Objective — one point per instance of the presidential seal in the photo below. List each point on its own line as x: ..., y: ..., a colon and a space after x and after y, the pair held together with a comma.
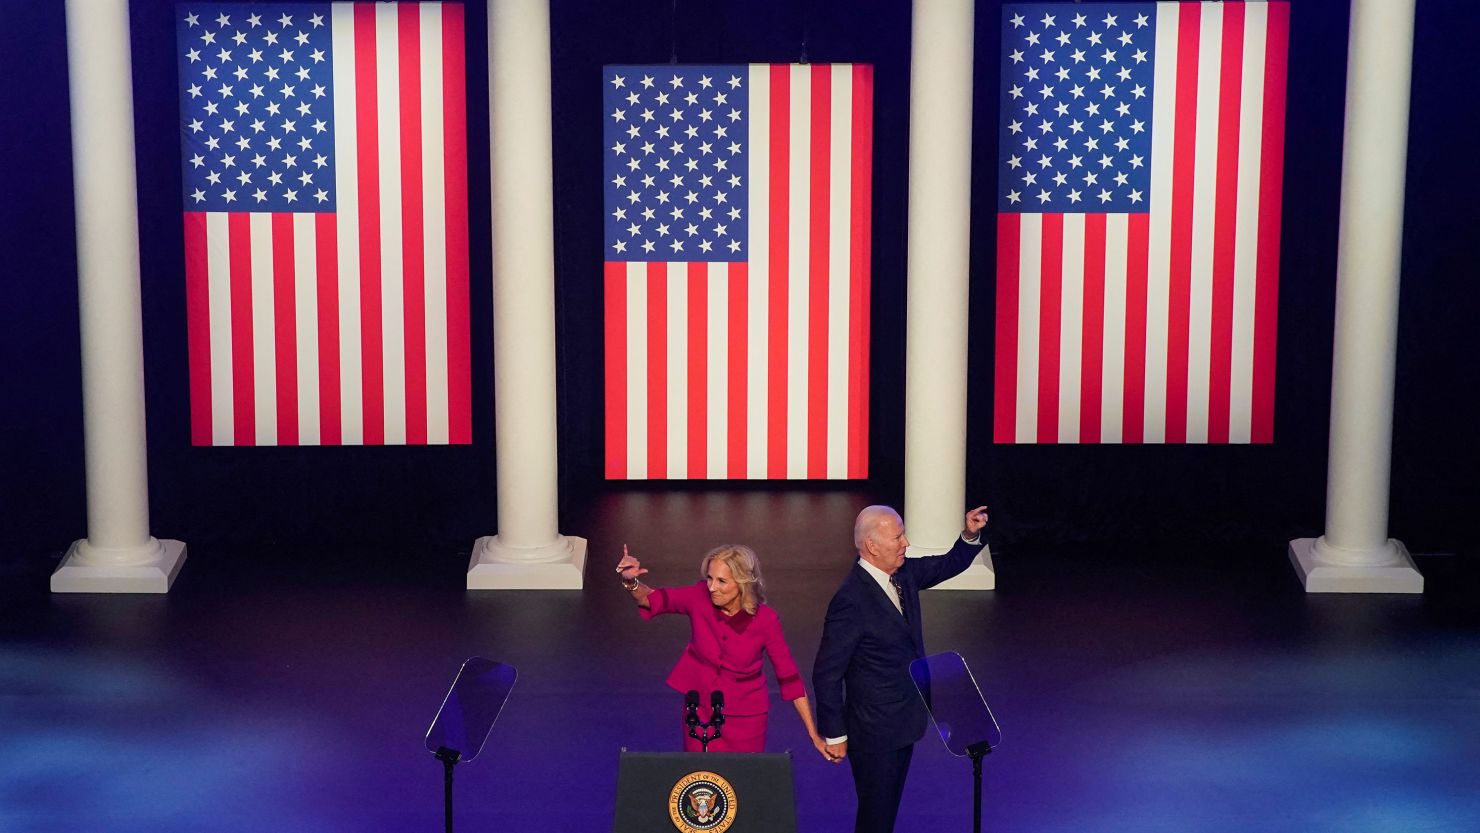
x: 702, y: 802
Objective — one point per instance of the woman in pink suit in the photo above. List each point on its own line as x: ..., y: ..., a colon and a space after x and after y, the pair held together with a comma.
x: 730, y: 628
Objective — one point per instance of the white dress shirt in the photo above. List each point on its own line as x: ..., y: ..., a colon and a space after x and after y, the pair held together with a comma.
x: 883, y: 579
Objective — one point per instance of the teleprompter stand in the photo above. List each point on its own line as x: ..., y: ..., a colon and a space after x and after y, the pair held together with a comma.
x: 467, y: 716
x: 962, y: 717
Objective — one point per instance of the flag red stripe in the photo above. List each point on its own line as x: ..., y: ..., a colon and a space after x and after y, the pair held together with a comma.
x: 698, y: 384
x: 1271, y: 169
x: 739, y: 319
x: 1004, y: 406
x: 860, y: 253
x: 1184, y: 145
x: 326, y: 234
x: 1225, y: 224
x: 780, y: 215
x: 1137, y: 257
x: 198, y: 330
x: 657, y: 377
x: 243, y: 389
x: 413, y: 243
x: 368, y: 179
x: 1091, y: 369
x: 616, y: 371
x: 817, y: 249
x: 285, y: 329
x: 1050, y: 327
x: 455, y: 183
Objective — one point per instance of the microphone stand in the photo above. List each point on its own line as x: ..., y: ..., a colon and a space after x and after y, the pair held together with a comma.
x: 716, y: 717
x: 716, y: 713
x: 691, y: 711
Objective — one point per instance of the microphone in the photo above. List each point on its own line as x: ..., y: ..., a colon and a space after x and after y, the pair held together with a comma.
x: 691, y: 706
x: 717, y: 707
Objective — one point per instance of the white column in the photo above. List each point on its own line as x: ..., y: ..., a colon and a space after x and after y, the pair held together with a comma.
x: 939, y: 270
x: 528, y: 552
x: 118, y: 555
x: 1355, y: 555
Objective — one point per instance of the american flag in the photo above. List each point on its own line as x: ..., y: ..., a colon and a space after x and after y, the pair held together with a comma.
x: 326, y: 238
x: 737, y: 204
x: 1139, y: 181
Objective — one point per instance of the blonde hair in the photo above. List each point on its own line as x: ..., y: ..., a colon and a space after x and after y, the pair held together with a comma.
x: 745, y: 568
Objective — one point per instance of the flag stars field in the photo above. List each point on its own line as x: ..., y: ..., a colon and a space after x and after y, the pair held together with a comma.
x: 661, y: 151
x: 261, y: 73
x: 1087, y: 67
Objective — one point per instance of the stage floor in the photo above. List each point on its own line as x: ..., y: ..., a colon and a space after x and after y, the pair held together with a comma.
x: 1136, y: 691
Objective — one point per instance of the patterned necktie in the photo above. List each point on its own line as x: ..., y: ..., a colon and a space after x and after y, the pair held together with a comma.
x: 899, y: 593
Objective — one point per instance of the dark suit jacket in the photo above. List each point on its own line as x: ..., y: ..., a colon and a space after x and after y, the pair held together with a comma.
x: 862, y: 676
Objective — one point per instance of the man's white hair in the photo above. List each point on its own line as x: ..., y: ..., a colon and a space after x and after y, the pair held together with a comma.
x: 868, y: 523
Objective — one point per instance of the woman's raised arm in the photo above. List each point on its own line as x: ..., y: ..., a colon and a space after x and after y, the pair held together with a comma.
x: 629, y: 569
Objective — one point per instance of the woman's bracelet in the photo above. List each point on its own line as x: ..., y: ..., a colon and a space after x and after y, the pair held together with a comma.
x: 632, y: 585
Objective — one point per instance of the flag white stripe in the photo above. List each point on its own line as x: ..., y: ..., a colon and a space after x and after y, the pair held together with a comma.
x: 306, y: 311
x: 678, y: 372
x: 718, y: 378
x: 1204, y: 211
x: 392, y: 278
x: 637, y: 360
x: 1158, y: 277
x: 1112, y: 393
x: 1030, y: 278
x: 1251, y: 106
x: 1071, y: 328
x: 347, y: 221
x: 218, y: 281
x: 434, y: 223
x: 799, y: 228
x: 264, y: 348
x: 757, y: 389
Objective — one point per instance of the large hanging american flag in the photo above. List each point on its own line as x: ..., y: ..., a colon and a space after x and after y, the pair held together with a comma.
x: 737, y: 204
x: 326, y: 238
x: 1138, y: 225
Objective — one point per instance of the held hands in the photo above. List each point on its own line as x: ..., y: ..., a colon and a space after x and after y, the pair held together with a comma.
x: 976, y: 520
x: 629, y: 568
x: 833, y: 754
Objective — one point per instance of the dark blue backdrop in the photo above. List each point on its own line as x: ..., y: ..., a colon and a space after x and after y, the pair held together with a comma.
x: 439, y: 499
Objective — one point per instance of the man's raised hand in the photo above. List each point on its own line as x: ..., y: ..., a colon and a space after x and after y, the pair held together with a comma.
x: 976, y: 521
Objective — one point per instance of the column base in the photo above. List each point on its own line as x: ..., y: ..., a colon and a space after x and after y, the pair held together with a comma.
x: 1323, y: 575
x: 557, y: 566
x: 153, y: 570
x: 979, y: 576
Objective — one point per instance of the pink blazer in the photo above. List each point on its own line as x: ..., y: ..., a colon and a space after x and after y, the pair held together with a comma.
x: 724, y: 652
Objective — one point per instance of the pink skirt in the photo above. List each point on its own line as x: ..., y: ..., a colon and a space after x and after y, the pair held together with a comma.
x: 740, y: 733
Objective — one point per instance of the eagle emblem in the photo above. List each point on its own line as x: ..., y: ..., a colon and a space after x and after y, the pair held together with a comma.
x: 702, y: 802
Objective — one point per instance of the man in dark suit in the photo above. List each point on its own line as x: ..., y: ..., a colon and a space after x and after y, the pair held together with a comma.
x: 867, y: 706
